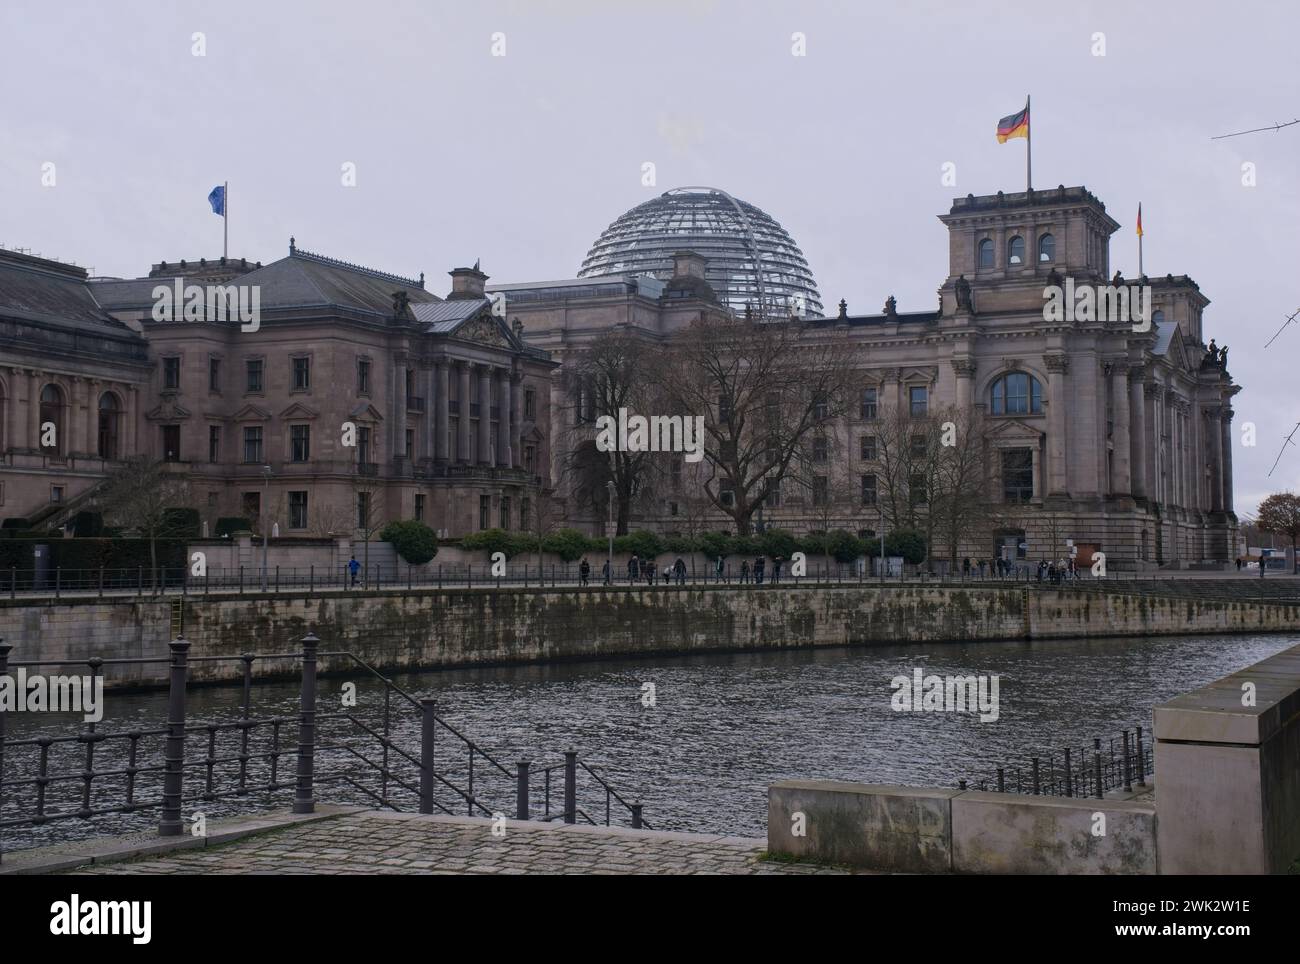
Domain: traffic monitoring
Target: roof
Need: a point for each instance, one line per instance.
(441, 317)
(34, 289)
(1164, 335)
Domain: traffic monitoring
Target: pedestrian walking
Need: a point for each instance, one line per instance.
(353, 568)
(759, 563)
(720, 568)
(776, 570)
(633, 569)
(744, 571)
(679, 568)
(650, 573)
(584, 572)
(604, 571)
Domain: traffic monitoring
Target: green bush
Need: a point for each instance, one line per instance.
(746, 545)
(714, 544)
(87, 524)
(680, 544)
(568, 544)
(494, 540)
(778, 544)
(16, 522)
(814, 543)
(180, 522)
(907, 543)
(644, 544)
(844, 546)
(227, 525)
(414, 541)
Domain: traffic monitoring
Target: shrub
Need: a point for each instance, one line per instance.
(87, 524)
(680, 544)
(714, 544)
(844, 546)
(814, 543)
(644, 544)
(492, 540)
(746, 545)
(227, 525)
(568, 544)
(180, 522)
(778, 543)
(907, 543)
(414, 541)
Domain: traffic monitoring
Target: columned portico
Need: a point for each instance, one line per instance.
(485, 454)
(1058, 366)
(505, 445)
(442, 445)
(1137, 431)
(462, 419)
(1121, 477)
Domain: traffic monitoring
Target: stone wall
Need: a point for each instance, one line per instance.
(459, 627)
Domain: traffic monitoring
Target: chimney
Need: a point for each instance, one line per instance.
(466, 283)
(688, 264)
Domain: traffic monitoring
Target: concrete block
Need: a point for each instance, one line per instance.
(880, 826)
(1009, 833)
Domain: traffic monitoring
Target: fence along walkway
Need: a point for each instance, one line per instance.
(157, 767)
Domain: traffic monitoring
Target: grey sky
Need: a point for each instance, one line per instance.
(522, 160)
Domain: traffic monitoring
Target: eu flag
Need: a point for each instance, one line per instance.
(218, 200)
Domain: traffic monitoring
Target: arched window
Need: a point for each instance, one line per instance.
(1016, 393)
(1047, 248)
(110, 419)
(1157, 317)
(1016, 250)
(51, 414)
(985, 250)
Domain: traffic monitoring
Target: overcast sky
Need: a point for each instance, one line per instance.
(523, 159)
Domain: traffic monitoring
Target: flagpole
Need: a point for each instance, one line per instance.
(1141, 273)
(1029, 147)
(225, 220)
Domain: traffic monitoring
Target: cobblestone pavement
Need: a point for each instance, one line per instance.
(373, 842)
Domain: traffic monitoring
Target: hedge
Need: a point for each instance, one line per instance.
(414, 541)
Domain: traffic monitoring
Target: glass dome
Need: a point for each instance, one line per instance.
(751, 259)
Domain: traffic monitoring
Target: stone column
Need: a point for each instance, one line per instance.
(517, 420)
(90, 442)
(442, 422)
(34, 411)
(462, 425)
(1151, 432)
(397, 411)
(430, 418)
(131, 423)
(505, 442)
(1086, 417)
(1121, 482)
(1057, 368)
(485, 454)
(964, 369)
(1226, 446)
(1137, 432)
(1214, 436)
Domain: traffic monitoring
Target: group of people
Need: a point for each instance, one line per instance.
(647, 569)
(1000, 568)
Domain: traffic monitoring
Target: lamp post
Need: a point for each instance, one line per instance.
(881, 509)
(609, 530)
(266, 532)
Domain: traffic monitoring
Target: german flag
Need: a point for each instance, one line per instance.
(1017, 125)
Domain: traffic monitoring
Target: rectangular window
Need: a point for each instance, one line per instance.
(819, 448)
(484, 512)
(214, 443)
(419, 508)
(525, 513)
(530, 458)
(724, 409)
(300, 443)
(2, 493)
(919, 446)
(253, 369)
(410, 443)
(675, 474)
(363, 444)
(171, 374)
(726, 494)
(363, 510)
(868, 408)
(821, 408)
(363, 376)
(867, 448)
(819, 490)
(505, 512)
(530, 403)
(868, 490)
(171, 443)
(214, 374)
(301, 374)
(56, 495)
(918, 397)
(253, 443)
(773, 493)
(250, 505)
(297, 510)
(916, 488)
(1017, 475)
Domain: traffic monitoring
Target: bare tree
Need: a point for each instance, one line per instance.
(763, 388)
(137, 496)
(959, 500)
(1280, 513)
(370, 514)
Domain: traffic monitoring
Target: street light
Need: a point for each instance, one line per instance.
(609, 530)
(266, 532)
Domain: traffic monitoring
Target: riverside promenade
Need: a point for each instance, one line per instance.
(342, 840)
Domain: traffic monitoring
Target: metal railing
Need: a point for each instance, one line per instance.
(1089, 772)
(182, 762)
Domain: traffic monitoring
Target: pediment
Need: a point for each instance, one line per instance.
(927, 373)
(168, 411)
(298, 411)
(365, 412)
(252, 413)
(1013, 430)
(485, 329)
